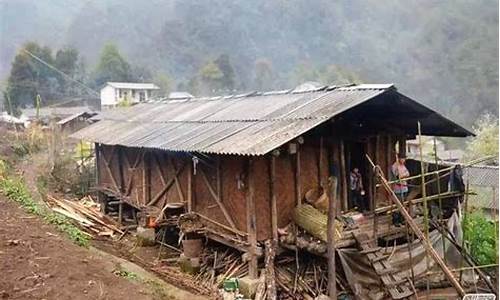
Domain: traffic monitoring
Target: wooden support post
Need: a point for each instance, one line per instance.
(343, 174)
(98, 177)
(274, 209)
(122, 183)
(402, 145)
(367, 150)
(389, 158)
(420, 235)
(145, 198)
(332, 282)
(251, 223)
(190, 187)
(320, 163)
(218, 178)
(298, 190)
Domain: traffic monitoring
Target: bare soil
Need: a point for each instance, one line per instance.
(37, 263)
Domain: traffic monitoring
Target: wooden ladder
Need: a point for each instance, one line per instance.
(399, 288)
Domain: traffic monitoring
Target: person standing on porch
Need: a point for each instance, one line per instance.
(356, 189)
(400, 172)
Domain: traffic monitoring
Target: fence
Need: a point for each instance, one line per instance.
(483, 182)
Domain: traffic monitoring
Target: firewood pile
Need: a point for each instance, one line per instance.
(86, 213)
(217, 265)
(306, 278)
(175, 276)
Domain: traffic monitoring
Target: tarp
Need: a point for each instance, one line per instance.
(366, 284)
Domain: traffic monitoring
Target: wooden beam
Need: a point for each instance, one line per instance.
(420, 235)
(298, 191)
(108, 168)
(332, 281)
(177, 182)
(131, 172)
(97, 175)
(165, 188)
(320, 163)
(274, 209)
(122, 183)
(253, 271)
(190, 187)
(214, 195)
(144, 179)
(343, 173)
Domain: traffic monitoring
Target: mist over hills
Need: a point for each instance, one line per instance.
(443, 53)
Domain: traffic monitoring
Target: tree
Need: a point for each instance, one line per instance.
(485, 142)
(227, 81)
(264, 76)
(66, 61)
(29, 77)
(163, 81)
(210, 78)
(111, 66)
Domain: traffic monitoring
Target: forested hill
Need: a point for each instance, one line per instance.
(444, 53)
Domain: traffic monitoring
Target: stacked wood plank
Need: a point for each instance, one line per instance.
(86, 214)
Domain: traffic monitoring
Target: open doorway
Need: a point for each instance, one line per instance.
(355, 158)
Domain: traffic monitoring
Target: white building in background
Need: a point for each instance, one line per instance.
(115, 92)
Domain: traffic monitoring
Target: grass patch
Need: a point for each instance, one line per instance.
(126, 274)
(16, 190)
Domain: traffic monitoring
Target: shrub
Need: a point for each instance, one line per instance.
(481, 236)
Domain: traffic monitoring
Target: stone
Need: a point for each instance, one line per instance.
(248, 286)
(189, 265)
(145, 236)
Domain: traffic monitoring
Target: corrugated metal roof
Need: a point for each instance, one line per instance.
(246, 125)
(56, 111)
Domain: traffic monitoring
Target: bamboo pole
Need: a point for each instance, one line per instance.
(426, 211)
(466, 201)
(443, 240)
(332, 282)
(447, 169)
(425, 242)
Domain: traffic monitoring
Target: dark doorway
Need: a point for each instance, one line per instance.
(355, 158)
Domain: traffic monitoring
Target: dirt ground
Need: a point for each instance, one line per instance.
(37, 263)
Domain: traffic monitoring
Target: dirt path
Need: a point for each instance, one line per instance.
(37, 263)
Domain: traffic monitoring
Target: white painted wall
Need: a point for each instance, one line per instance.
(108, 96)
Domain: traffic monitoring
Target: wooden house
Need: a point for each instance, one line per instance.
(244, 162)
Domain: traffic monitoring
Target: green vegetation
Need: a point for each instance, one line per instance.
(15, 189)
(119, 271)
(481, 236)
(111, 67)
(485, 143)
(30, 80)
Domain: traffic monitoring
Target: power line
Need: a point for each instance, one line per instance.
(95, 93)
